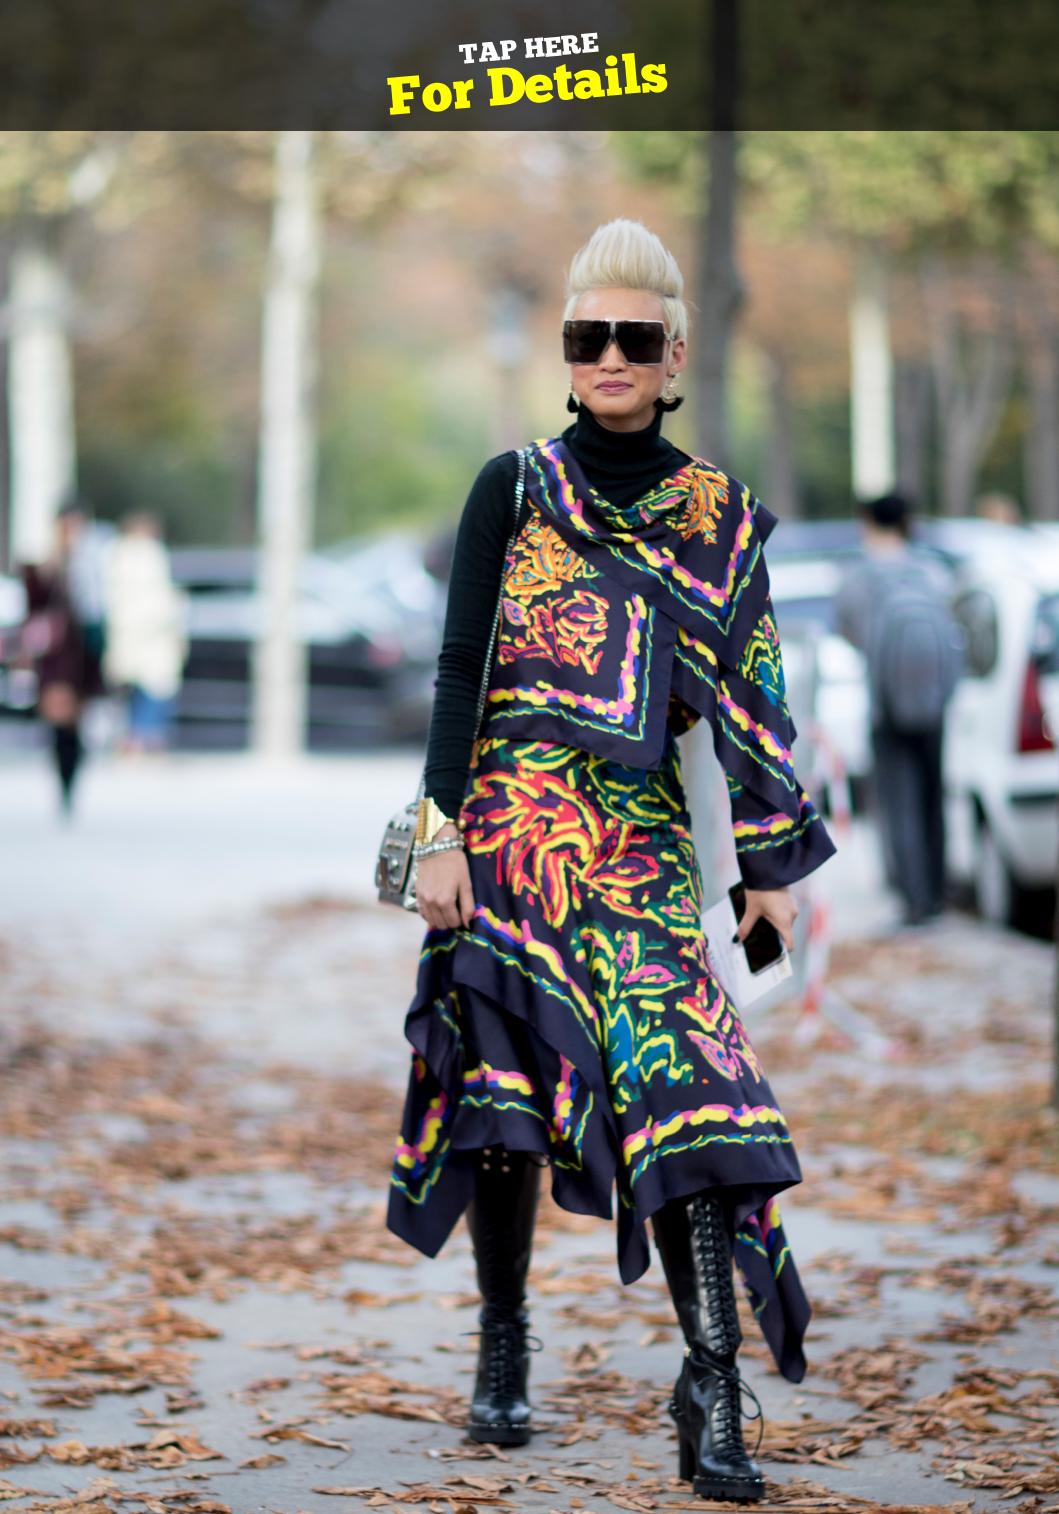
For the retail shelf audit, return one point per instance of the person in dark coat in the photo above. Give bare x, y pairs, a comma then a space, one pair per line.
55, 643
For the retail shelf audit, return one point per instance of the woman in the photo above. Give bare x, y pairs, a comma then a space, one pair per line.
146, 640
565, 1013
60, 648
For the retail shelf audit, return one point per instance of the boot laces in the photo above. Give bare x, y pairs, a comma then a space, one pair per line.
734, 1379
505, 1343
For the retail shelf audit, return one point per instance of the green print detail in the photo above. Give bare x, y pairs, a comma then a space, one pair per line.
547, 986
449, 1017
490, 1100
633, 985
645, 797
568, 1153
761, 663
730, 730
744, 1138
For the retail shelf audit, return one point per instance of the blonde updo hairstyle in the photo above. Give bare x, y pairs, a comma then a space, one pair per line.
623, 254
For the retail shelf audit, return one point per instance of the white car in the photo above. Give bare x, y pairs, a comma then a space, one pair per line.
825, 675
1001, 760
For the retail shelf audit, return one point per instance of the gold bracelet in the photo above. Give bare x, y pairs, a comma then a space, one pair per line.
429, 820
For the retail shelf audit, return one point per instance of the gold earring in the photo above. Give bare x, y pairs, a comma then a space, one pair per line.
670, 390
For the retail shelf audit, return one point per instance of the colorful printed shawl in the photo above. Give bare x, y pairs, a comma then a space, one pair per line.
612, 614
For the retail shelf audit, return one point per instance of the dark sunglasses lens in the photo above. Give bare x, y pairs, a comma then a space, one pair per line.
584, 341
641, 341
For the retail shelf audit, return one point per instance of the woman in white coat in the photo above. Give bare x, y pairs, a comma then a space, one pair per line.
146, 641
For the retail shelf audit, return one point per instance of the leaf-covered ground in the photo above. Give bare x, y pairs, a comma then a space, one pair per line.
201, 1310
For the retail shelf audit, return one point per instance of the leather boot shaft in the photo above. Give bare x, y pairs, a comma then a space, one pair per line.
695, 1240
501, 1219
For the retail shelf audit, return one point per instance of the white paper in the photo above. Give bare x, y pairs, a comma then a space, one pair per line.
727, 958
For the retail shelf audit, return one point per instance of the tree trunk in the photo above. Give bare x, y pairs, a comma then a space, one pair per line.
6, 560
719, 291
1040, 368
871, 377
40, 396
912, 429
286, 479
972, 377
781, 477
720, 295
508, 308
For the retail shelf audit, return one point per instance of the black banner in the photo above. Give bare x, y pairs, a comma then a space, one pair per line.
483, 65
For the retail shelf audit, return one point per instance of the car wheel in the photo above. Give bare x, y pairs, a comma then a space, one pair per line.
994, 887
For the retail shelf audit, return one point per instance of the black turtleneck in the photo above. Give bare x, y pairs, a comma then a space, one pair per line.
622, 465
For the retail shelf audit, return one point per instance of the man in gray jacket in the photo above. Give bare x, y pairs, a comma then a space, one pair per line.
893, 606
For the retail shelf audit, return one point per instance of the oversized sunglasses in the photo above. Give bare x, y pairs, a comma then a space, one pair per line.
638, 341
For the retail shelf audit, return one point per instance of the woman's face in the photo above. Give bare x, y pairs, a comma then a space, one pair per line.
622, 395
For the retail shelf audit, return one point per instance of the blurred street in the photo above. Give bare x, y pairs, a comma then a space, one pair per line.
202, 1065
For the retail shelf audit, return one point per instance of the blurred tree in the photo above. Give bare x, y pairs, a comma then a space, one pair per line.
47, 181
972, 357
718, 284
1037, 321
968, 211
701, 167
942, 211
287, 477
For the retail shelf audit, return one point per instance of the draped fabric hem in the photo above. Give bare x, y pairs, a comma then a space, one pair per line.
439, 1028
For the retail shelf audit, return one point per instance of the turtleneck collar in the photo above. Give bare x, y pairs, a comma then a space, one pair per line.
592, 442
622, 465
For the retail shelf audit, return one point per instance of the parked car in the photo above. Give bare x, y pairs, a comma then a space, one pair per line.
1001, 761
833, 538
833, 687
372, 644
807, 561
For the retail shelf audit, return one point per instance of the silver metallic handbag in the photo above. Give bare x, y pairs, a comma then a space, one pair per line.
395, 868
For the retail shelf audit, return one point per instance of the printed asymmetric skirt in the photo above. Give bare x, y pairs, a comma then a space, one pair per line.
577, 1018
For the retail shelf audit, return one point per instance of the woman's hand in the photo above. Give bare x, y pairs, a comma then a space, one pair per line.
774, 904
443, 886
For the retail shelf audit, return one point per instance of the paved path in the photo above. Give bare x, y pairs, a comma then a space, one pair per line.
201, 1071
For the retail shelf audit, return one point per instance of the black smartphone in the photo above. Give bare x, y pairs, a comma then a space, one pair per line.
763, 946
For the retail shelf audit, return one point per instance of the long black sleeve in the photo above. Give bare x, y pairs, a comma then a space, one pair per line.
474, 584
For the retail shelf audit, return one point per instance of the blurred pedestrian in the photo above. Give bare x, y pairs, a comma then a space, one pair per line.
893, 606
146, 642
999, 507
90, 542
61, 648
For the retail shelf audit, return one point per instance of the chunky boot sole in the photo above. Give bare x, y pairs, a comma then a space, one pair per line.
712, 1484
500, 1435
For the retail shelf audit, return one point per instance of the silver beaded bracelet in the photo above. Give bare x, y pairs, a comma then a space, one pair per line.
447, 844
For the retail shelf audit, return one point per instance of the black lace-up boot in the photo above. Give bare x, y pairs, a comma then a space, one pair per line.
695, 1242
500, 1219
